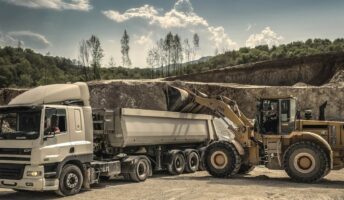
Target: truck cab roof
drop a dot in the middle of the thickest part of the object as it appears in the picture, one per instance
(54, 94)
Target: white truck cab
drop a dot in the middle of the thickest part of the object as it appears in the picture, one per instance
(42, 130)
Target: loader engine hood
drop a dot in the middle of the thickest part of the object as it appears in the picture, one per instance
(54, 94)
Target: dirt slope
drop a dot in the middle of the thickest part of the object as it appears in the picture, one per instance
(313, 70)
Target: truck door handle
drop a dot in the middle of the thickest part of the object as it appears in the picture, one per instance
(71, 150)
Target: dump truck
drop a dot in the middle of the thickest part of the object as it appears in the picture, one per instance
(52, 140)
(279, 137)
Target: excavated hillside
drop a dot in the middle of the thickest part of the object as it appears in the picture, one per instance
(313, 70)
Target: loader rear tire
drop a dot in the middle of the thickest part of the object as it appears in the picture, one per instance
(222, 159)
(246, 169)
(306, 162)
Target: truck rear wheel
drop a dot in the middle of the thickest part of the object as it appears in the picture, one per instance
(141, 170)
(177, 164)
(192, 161)
(70, 180)
(306, 162)
(222, 159)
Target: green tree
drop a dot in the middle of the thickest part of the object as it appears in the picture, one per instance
(97, 55)
(125, 48)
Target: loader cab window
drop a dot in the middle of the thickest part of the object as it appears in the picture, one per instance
(55, 121)
(276, 116)
(268, 116)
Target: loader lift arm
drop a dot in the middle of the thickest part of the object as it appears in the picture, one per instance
(221, 106)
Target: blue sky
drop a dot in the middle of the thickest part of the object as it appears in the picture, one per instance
(57, 26)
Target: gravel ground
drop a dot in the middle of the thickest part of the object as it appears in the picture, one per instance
(260, 184)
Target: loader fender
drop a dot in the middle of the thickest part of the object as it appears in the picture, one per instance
(238, 147)
(309, 136)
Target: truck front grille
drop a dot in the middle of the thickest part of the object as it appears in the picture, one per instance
(11, 171)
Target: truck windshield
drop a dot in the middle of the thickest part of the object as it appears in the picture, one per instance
(22, 123)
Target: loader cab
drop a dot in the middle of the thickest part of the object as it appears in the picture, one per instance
(276, 116)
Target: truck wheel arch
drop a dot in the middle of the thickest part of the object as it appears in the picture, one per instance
(309, 136)
(79, 161)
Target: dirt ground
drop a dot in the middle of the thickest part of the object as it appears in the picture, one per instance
(260, 184)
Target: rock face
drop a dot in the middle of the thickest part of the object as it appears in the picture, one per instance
(150, 95)
(127, 94)
(312, 70)
(6, 94)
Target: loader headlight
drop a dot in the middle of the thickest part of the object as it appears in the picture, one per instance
(33, 173)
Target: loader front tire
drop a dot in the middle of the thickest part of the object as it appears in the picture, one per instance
(245, 169)
(222, 159)
(306, 162)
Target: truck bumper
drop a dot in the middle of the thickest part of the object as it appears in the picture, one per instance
(38, 183)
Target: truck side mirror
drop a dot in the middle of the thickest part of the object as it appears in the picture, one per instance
(49, 136)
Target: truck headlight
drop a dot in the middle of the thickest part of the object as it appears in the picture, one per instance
(33, 173)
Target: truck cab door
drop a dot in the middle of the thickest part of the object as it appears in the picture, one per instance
(56, 138)
(79, 145)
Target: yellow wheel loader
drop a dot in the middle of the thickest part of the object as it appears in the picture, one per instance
(278, 138)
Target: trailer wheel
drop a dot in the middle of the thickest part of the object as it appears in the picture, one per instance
(222, 159)
(192, 161)
(177, 164)
(70, 180)
(246, 168)
(306, 162)
(141, 170)
(202, 161)
(126, 177)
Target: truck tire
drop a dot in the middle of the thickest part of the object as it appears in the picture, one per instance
(306, 162)
(202, 161)
(141, 170)
(192, 161)
(126, 177)
(245, 169)
(222, 159)
(177, 164)
(70, 180)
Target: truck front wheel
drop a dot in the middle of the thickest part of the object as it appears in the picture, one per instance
(222, 159)
(70, 180)
(306, 162)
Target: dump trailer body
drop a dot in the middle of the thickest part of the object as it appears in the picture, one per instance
(134, 127)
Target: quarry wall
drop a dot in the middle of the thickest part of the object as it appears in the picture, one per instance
(150, 95)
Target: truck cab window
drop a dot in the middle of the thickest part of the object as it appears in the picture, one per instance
(55, 121)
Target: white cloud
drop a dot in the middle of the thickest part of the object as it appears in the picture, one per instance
(266, 37)
(83, 5)
(221, 39)
(27, 38)
(146, 12)
(144, 39)
(182, 15)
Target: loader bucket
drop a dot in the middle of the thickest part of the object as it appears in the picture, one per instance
(180, 100)
(176, 98)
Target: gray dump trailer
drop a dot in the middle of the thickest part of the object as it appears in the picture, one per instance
(52, 140)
